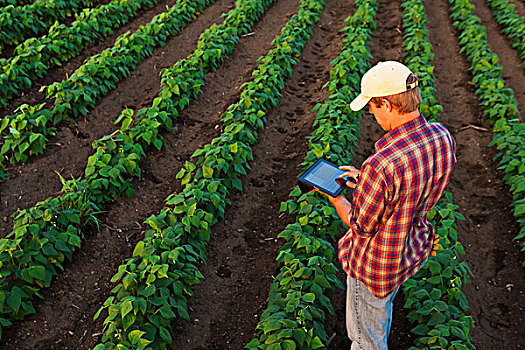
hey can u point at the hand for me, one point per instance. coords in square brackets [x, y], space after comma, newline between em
[352, 172]
[333, 200]
[341, 205]
[330, 198]
[435, 247]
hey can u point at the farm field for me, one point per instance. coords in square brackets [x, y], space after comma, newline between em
[241, 253]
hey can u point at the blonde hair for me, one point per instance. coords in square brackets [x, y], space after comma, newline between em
[407, 101]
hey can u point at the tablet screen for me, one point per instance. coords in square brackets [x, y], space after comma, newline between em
[323, 175]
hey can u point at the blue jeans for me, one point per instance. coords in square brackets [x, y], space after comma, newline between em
[368, 318]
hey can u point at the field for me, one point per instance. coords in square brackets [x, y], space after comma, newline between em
[241, 253]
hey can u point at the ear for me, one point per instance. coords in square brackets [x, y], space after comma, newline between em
[387, 104]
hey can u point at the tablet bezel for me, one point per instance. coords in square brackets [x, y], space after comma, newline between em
[313, 185]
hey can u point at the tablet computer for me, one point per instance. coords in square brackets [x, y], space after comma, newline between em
[324, 176]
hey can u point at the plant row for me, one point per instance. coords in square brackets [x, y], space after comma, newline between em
[433, 295]
[18, 23]
[46, 234]
[498, 103]
[29, 128]
[33, 58]
[512, 23]
[297, 301]
[4, 3]
[153, 284]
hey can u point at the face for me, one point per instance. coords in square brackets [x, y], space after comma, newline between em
[381, 114]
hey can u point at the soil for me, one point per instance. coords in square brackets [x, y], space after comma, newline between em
[241, 254]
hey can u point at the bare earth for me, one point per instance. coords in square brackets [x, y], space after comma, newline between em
[241, 255]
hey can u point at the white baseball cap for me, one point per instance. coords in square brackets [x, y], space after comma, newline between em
[384, 79]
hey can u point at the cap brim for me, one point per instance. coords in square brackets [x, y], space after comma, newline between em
[359, 102]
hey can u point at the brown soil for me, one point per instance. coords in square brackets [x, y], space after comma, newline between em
[241, 255]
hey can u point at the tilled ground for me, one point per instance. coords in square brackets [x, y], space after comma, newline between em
[241, 255]
[496, 294]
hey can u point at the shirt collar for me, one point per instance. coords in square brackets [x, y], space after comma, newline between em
[400, 130]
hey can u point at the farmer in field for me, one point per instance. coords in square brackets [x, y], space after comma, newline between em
[389, 236]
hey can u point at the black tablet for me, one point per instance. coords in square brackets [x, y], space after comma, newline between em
[323, 175]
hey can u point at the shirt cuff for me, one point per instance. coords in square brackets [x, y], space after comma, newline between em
[357, 230]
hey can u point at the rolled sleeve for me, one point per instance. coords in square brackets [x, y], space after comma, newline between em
[368, 203]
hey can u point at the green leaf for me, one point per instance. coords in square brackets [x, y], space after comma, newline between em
[148, 291]
[437, 318]
[299, 335]
[288, 345]
[128, 280]
[253, 344]
[207, 172]
[5, 322]
[135, 336]
[421, 329]
[434, 280]
[309, 297]
[458, 332]
[38, 272]
[316, 343]
[296, 192]
[519, 210]
[139, 248]
[434, 267]
[166, 312]
[272, 325]
[165, 335]
[14, 301]
[233, 148]
[126, 308]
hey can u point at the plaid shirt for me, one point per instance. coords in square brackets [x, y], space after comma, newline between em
[390, 236]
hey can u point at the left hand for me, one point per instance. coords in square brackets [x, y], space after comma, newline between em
[330, 198]
[435, 247]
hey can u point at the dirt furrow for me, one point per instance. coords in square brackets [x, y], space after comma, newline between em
[385, 45]
[241, 255]
[32, 96]
[68, 151]
[64, 317]
[513, 71]
[496, 295]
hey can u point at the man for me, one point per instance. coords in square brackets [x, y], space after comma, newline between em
[389, 236]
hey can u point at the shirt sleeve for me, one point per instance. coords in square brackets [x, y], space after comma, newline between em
[369, 202]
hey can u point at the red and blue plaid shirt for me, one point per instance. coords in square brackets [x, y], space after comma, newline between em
[390, 236]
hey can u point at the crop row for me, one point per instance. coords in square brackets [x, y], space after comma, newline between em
[153, 283]
[30, 126]
[285, 318]
[433, 295]
[498, 103]
[46, 234]
[512, 23]
[4, 3]
[20, 22]
[297, 301]
[33, 58]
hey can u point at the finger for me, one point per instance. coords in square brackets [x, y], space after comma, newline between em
[348, 167]
[350, 184]
[350, 173]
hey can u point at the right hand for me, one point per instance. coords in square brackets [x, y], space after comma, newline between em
[352, 172]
